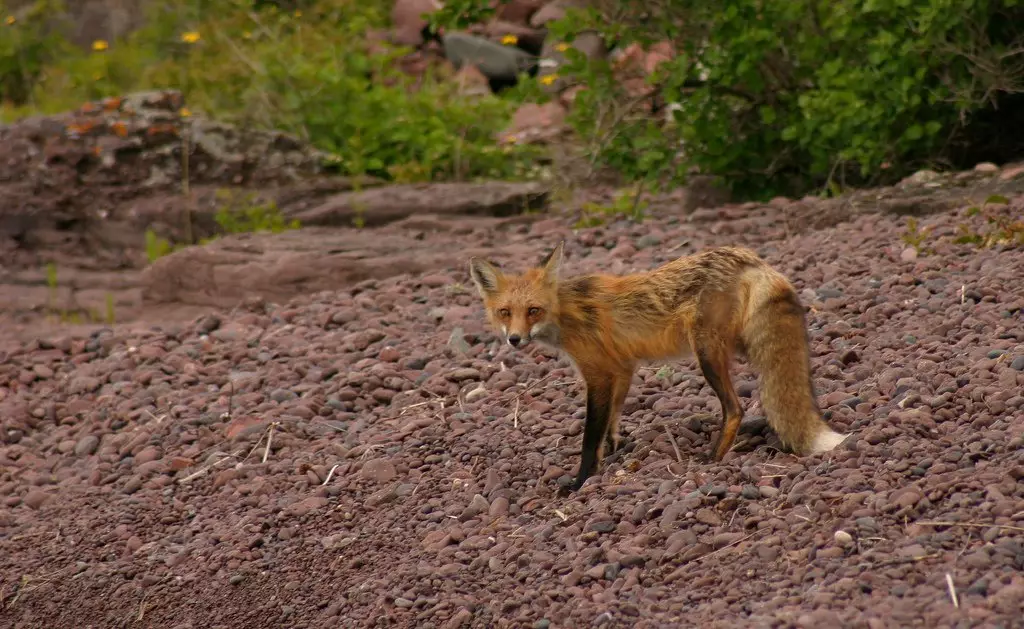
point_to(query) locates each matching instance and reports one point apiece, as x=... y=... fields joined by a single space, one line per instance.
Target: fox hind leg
x=620 y=388
x=714 y=363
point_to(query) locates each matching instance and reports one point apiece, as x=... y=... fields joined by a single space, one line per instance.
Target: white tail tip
x=827 y=440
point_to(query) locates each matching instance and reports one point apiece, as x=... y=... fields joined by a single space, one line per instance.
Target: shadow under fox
x=715 y=304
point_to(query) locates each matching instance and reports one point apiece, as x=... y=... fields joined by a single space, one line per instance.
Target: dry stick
x=270 y=437
x=534 y=385
x=330 y=474
x=715 y=552
x=675 y=446
x=231 y=397
x=978 y=525
x=952 y=591
x=201 y=471
x=185 y=187
x=256 y=445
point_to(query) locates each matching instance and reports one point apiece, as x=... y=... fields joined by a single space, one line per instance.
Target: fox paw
x=625 y=446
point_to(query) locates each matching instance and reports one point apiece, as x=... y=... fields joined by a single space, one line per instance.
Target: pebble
x=87 y=445
x=35 y=499
x=843 y=539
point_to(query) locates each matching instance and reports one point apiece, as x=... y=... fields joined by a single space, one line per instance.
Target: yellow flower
x=562 y=47
x=549 y=79
x=509 y=40
x=10 y=20
x=298 y=14
x=184 y=112
x=100 y=45
x=246 y=35
x=190 y=37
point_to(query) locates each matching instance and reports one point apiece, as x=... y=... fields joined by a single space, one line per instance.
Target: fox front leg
x=599 y=407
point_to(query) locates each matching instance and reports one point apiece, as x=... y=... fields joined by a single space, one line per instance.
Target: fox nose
x=514 y=340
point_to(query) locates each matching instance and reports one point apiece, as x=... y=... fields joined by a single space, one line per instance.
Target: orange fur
x=715 y=304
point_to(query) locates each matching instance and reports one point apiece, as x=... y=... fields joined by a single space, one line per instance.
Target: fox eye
x=504 y=312
x=533 y=312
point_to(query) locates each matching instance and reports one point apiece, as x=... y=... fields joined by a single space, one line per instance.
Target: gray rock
x=495 y=61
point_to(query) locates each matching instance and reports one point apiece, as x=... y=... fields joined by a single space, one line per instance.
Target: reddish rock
x=408 y=22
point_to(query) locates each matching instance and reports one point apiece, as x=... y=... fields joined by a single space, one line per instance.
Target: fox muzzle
x=515 y=340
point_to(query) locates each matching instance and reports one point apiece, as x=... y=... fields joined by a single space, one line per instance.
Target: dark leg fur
x=599 y=406
x=715 y=366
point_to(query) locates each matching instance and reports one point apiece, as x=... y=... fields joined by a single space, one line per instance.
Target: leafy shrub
x=308 y=71
x=243 y=215
x=782 y=97
x=27 y=44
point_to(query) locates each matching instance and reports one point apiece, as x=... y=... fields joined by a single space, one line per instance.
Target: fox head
x=524 y=307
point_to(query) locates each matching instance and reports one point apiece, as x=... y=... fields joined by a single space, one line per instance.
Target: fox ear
x=553 y=261
x=484 y=275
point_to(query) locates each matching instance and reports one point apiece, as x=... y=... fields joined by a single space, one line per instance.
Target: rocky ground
x=370 y=455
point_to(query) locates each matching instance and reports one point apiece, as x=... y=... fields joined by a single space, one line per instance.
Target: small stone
x=915 y=551
x=304 y=506
x=389 y=355
x=460 y=618
x=208 y=324
x=602 y=526
x=403 y=602
x=631 y=561
x=476 y=506
x=709 y=517
x=282 y=395
x=767 y=491
x=35 y=499
x=457 y=341
x=499 y=507
x=979 y=587
x=147 y=455
x=986 y=167
x=1018 y=363
x=476 y=394
x=908 y=255
x=379 y=470
x=843 y=539
x=87 y=445
x=463 y=374
x=236 y=579
x=650 y=240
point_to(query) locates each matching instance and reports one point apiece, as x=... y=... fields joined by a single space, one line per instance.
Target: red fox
x=715 y=304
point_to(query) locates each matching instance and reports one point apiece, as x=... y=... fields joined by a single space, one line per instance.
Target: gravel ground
x=374 y=458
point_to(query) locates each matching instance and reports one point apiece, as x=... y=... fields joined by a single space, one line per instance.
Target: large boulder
x=378 y=206
x=277 y=267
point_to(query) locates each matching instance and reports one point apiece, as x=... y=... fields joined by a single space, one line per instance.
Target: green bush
x=308 y=71
x=784 y=97
x=27 y=44
x=243 y=214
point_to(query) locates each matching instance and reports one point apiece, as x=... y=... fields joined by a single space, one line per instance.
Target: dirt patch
x=373 y=456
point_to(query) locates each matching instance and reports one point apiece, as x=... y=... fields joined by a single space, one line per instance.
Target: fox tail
x=775 y=338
